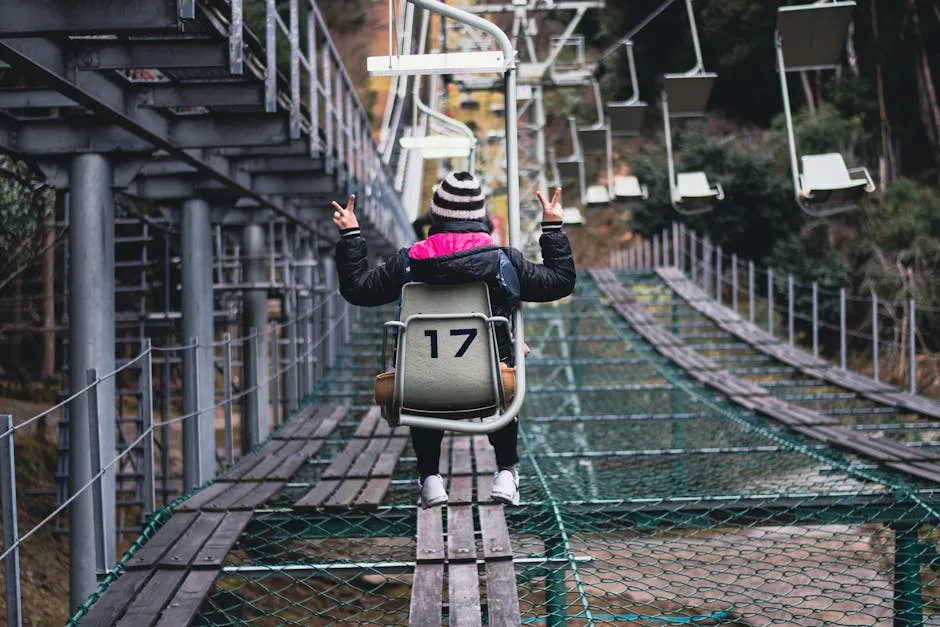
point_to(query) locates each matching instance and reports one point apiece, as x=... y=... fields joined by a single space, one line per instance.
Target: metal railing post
x=874 y=337
x=693 y=252
x=790 y=309
x=227 y=398
x=274 y=372
x=718 y=275
x=11 y=564
x=815 y=319
x=675 y=245
x=912 y=346
x=750 y=291
x=149 y=496
x=734 y=282
x=770 y=300
x=94 y=433
x=842 y=348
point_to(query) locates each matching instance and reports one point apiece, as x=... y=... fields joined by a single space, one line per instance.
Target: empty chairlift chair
x=812 y=37
x=685 y=96
x=628 y=188
x=625 y=118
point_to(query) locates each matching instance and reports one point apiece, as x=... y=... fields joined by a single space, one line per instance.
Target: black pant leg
x=427 y=446
x=504 y=443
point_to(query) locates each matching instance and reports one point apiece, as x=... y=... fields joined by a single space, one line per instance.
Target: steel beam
x=166 y=54
x=199 y=362
x=295 y=184
x=229 y=94
x=28 y=18
x=91 y=345
x=33 y=99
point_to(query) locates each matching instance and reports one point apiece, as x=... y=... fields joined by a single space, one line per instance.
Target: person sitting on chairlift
x=460 y=250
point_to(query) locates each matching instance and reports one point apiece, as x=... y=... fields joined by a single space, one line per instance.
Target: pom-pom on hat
x=459 y=197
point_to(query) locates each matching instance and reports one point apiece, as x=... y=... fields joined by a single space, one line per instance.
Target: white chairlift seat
x=629 y=188
x=826 y=180
x=688 y=93
x=625 y=118
x=482 y=62
x=593 y=139
x=597 y=195
x=446 y=361
x=694 y=188
x=572 y=216
x=813 y=35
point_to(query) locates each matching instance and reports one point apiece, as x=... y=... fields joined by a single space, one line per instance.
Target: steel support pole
x=750 y=291
x=770 y=300
x=908 y=594
x=693 y=253
x=198 y=363
x=11 y=564
x=842 y=355
x=874 y=337
x=912 y=346
x=815 y=319
x=675 y=246
x=306 y=279
x=706 y=265
x=91 y=345
x=718 y=275
x=148 y=496
x=734 y=283
x=256 y=423
x=790 y=309
x=331 y=312
x=227 y=398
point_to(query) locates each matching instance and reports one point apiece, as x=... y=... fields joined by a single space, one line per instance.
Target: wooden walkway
x=921 y=463
x=761 y=340
x=167 y=581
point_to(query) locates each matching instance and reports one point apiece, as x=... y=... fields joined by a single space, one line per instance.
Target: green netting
x=647 y=499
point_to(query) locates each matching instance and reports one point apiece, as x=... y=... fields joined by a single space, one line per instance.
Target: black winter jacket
x=372 y=286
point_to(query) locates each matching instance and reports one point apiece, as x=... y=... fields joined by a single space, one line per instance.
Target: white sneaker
x=432 y=491
x=506 y=487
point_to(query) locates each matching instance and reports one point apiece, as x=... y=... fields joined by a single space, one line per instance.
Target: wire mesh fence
x=647 y=499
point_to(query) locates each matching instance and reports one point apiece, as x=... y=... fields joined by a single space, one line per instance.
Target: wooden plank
x=185 y=605
x=213 y=552
x=502 y=597
x=430 y=535
x=342 y=461
x=385 y=467
x=461 y=544
x=496 y=544
x=464 y=595
x=269 y=464
x=427 y=595
x=345 y=494
x=483 y=452
x=461 y=489
x=329 y=423
x=184 y=550
x=362 y=465
x=460 y=461
x=369 y=422
x=152 y=598
x=106 y=610
x=383 y=430
x=296 y=422
x=484 y=488
x=150 y=553
x=247 y=463
x=259 y=496
x=373 y=492
x=446 y=445
x=199 y=499
x=317 y=495
x=921 y=471
x=295 y=462
x=225 y=501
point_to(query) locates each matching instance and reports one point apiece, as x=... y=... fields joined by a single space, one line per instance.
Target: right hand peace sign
x=551 y=212
x=344 y=218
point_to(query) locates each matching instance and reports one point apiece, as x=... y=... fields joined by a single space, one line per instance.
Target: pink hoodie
x=442 y=244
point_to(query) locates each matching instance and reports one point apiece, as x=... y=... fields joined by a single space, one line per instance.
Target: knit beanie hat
x=458 y=197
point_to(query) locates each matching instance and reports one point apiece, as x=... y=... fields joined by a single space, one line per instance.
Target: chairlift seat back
x=688 y=93
x=448 y=366
x=625 y=118
x=813 y=35
x=569 y=169
x=593 y=139
x=628 y=187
